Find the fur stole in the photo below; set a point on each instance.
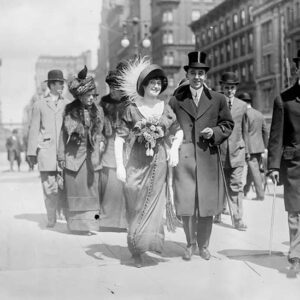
(74, 121)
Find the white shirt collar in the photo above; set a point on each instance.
(196, 92)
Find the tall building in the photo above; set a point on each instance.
(226, 35)
(171, 35)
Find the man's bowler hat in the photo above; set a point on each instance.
(297, 59)
(55, 75)
(245, 97)
(229, 78)
(197, 61)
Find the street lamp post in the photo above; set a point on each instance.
(146, 43)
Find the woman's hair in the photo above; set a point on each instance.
(162, 79)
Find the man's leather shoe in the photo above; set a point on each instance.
(138, 262)
(204, 253)
(218, 219)
(295, 264)
(239, 225)
(50, 224)
(189, 251)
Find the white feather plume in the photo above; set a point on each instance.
(128, 77)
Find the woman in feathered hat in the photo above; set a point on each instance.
(79, 154)
(146, 126)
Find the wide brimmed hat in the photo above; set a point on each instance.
(229, 78)
(297, 59)
(197, 60)
(151, 71)
(82, 84)
(55, 75)
(245, 97)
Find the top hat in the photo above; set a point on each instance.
(55, 75)
(197, 60)
(152, 71)
(229, 78)
(296, 59)
(245, 97)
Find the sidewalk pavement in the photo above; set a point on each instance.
(38, 263)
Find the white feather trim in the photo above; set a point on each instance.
(129, 76)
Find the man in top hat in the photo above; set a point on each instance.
(235, 149)
(206, 122)
(258, 143)
(43, 139)
(284, 158)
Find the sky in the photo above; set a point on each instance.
(30, 28)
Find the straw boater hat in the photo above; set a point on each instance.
(82, 84)
(245, 97)
(197, 60)
(229, 78)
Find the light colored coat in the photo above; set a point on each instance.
(44, 131)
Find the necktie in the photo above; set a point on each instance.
(229, 104)
(196, 100)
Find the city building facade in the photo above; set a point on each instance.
(171, 35)
(226, 35)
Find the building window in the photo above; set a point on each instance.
(203, 38)
(216, 32)
(209, 35)
(250, 71)
(266, 32)
(168, 37)
(216, 57)
(250, 13)
(195, 15)
(267, 64)
(243, 73)
(235, 48)
(235, 20)
(193, 39)
(228, 51)
(243, 45)
(222, 54)
(227, 25)
(168, 58)
(167, 16)
(222, 28)
(250, 42)
(243, 17)
(171, 81)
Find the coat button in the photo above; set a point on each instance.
(191, 125)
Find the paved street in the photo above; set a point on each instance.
(41, 263)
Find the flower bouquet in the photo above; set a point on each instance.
(148, 131)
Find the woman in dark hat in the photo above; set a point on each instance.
(111, 194)
(80, 147)
(146, 126)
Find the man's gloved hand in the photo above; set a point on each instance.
(32, 160)
(274, 175)
(207, 133)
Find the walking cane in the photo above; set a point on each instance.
(272, 218)
(225, 186)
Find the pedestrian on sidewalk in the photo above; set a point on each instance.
(43, 139)
(14, 149)
(198, 187)
(113, 211)
(284, 158)
(81, 145)
(258, 143)
(234, 151)
(146, 128)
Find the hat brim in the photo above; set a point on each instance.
(56, 79)
(196, 66)
(153, 71)
(229, 82)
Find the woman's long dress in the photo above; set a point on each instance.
(145, 187)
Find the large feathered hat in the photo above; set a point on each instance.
(135, 74)
(82, 84)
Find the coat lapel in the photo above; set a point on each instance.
(188, 105)
(204, 102)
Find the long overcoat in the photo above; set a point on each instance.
(44, 131)
(197, 177)
(284, 145)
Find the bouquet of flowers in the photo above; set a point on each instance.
(148, 131)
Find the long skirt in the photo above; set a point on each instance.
(113, 212)
(145, 194)
(82, 194)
